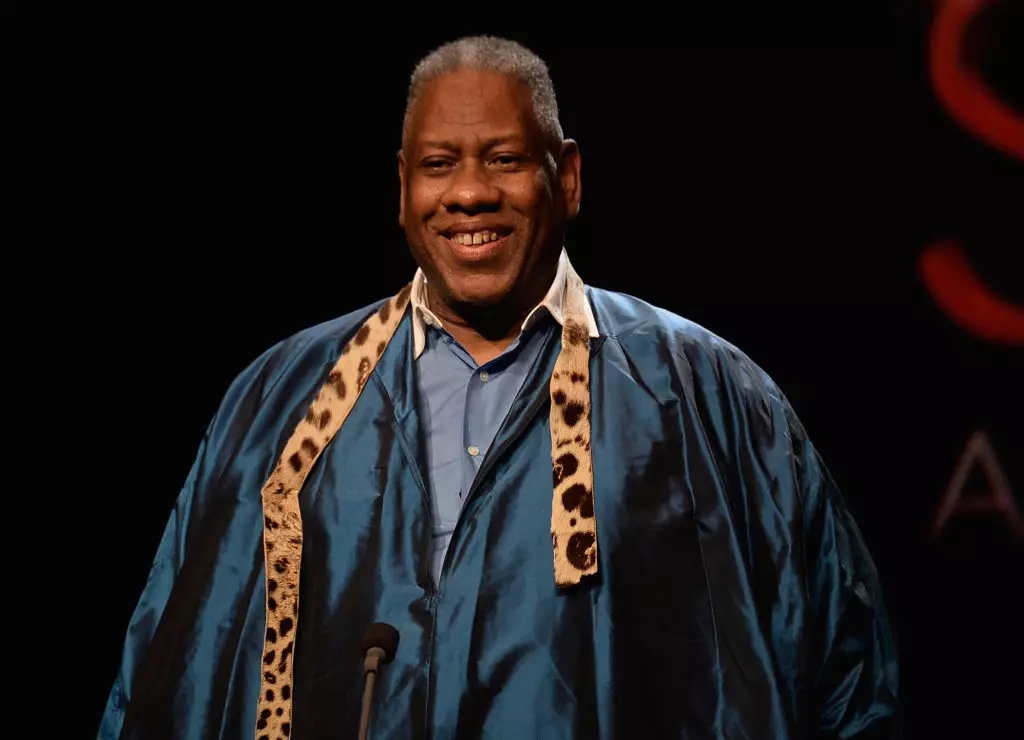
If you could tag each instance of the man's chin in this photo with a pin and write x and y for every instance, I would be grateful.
(478, 301)
(481, 292)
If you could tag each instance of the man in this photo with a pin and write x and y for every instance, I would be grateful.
(585, 516)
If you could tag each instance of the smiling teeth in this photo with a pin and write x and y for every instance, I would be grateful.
(477, 237)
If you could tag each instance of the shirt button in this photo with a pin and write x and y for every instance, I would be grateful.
(473, 450)
(485, 376)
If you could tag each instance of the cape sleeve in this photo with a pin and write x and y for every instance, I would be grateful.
(855, 664)
(237, 408)
(152, 602)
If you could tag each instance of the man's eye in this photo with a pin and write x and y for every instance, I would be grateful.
(507, 161)
(434, 165)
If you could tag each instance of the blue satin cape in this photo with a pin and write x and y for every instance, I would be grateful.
(734, 598)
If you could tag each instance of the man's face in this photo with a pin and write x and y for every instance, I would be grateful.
(484, 200)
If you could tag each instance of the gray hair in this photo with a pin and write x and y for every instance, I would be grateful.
(490, 54)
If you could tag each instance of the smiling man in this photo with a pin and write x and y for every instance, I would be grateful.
(585, 516)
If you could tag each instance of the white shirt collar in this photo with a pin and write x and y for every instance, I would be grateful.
(422, 315)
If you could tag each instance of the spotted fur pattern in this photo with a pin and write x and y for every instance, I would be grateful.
(573, 525)
(282, 521)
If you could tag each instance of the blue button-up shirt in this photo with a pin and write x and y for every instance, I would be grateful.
(463, 406)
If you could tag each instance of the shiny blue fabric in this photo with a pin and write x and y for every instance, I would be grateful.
(735, 597)
(463, 405)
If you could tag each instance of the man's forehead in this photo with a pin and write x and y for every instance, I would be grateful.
(473, 106)
(474, 137)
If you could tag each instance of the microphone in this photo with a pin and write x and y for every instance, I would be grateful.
(379, 645)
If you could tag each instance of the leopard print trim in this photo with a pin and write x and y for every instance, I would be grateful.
(573, 522)
(282, 520)
(573, 525)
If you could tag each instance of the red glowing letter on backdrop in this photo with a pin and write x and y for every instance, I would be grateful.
(961, 295)
(966, 299)
(997, 500)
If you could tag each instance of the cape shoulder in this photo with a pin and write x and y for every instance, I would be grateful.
(737, 413)
(682, 361)
(304, 353)
(277, 384)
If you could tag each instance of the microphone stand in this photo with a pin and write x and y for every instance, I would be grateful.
(371, 665)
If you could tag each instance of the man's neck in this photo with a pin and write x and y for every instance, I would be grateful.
(486, 332)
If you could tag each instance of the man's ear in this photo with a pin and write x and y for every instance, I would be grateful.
(401, 180)
(569, 176)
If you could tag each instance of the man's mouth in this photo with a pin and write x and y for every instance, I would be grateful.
(475, 238)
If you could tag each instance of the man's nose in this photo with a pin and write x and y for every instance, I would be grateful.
(471, 188)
